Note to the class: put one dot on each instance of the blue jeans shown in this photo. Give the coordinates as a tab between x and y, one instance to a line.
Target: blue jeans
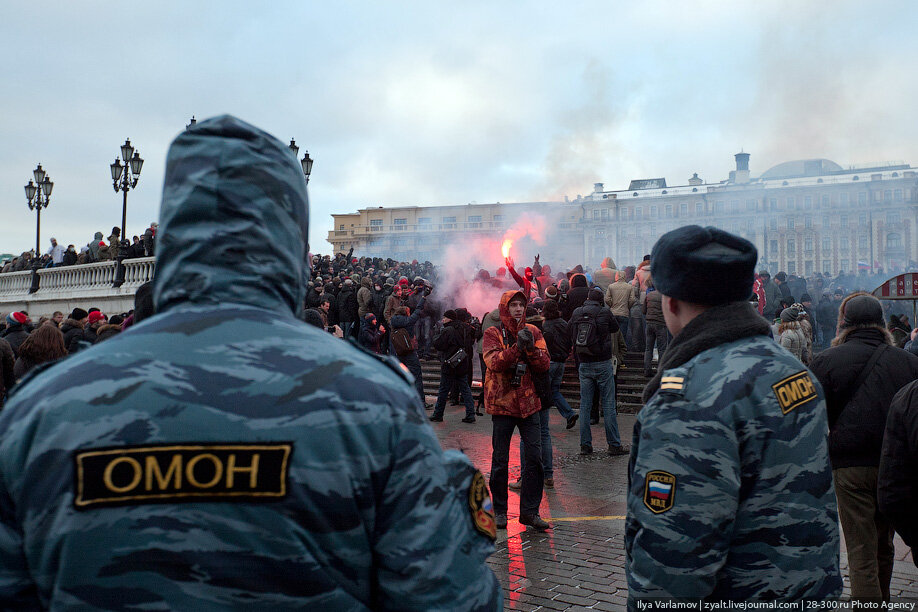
531	490
546	446
597	377
624	324
446	383
654	334
556	373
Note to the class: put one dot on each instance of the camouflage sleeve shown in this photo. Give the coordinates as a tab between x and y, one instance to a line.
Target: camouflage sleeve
17	590
429	553
684	485
497	358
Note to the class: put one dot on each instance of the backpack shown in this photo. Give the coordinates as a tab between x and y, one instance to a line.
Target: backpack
586	338
401	342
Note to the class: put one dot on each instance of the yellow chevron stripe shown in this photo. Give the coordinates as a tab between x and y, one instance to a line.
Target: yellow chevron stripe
674	379
671	386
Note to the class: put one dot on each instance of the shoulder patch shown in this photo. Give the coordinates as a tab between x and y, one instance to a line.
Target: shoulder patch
659	491
480	507
672	384
794	391
174	473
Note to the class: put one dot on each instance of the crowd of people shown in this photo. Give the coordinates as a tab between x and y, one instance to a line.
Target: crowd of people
26	344
93	251
224	400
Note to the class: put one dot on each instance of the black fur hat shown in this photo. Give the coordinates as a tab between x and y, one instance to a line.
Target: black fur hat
703	265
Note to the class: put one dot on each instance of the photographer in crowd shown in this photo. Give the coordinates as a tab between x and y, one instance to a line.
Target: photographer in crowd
511	351
453	341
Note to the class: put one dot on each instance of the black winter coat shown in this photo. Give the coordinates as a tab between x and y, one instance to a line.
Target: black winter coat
71	330
606	325
15	335
453	336
897	485
856	426
557	338
575	299
347	306
7	367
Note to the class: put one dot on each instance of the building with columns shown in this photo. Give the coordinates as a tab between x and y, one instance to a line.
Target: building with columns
804	216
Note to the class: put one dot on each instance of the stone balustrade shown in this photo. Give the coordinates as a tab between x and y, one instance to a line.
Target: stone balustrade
68	287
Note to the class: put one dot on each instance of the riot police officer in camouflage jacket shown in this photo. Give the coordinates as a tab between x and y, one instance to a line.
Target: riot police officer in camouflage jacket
731	492
225	455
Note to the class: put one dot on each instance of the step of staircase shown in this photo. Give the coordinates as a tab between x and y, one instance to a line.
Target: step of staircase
629	386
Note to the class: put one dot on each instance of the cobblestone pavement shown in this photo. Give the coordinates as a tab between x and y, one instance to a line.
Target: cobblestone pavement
580	563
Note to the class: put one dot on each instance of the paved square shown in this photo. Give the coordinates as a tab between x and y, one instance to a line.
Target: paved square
580	564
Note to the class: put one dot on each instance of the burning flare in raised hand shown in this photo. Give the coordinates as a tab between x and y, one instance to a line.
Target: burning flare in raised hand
505	249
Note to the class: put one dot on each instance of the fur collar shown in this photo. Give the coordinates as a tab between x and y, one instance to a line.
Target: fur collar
73	323
715	326
846	333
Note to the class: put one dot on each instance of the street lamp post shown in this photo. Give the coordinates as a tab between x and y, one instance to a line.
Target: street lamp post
124	178
306	162
38	195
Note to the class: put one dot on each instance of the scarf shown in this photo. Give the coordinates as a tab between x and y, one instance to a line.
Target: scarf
715	326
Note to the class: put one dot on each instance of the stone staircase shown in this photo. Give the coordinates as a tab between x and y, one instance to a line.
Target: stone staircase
629	384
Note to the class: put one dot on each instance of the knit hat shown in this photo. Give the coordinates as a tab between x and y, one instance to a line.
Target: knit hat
403	282
863	310
789	314
551	292
78	314
16	318
703	265
390	282
450	314
95	317
596	295
806	298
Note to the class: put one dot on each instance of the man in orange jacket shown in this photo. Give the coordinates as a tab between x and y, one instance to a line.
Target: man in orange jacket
512	351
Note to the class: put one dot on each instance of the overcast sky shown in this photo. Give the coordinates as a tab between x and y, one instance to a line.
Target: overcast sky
421	103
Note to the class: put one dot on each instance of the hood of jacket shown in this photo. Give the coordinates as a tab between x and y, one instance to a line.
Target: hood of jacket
608	263
509	323
578	280
97	236
233	222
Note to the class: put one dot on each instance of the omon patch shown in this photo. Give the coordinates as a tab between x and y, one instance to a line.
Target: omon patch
171	473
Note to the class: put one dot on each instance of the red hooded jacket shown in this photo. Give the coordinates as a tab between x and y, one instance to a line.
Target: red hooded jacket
501	358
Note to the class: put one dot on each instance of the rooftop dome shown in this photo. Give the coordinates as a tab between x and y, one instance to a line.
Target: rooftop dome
802	167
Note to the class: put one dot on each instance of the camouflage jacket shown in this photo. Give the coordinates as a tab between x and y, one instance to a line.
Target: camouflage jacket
731	494
225	455
501	358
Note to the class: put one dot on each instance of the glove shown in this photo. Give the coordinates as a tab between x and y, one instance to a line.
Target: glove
524	340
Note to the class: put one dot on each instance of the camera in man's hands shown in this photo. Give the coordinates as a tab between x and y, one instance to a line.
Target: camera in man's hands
517	380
